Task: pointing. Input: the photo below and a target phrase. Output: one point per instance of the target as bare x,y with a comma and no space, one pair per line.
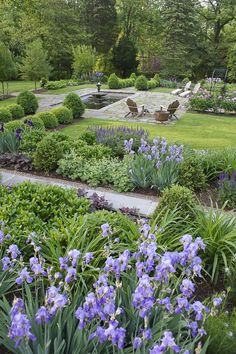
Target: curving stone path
144,204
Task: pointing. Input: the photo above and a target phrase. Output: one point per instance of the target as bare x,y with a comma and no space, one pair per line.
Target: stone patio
118,110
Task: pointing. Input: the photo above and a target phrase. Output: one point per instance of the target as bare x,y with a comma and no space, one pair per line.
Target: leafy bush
43,82
9,142
133,76
177,197
191,174
74,102
227,189
218,230
126,82
37,122
157,79
13,125
16,111
96,172
168,83
55,85
185,81
48,152
222,331
63,114
141,83
113,82
91,151
227,104
151,84
88,136
30,140
49,119
28,101
115,137
202,104
5,115
33,207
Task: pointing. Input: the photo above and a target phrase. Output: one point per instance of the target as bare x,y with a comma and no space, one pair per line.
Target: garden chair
172,108
134,109
194,91
186,88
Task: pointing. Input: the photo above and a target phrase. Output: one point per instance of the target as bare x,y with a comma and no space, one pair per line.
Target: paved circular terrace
117,111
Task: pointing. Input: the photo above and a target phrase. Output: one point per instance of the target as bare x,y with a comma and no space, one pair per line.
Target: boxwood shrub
63,114
49,119
37,121
13,125
74,102
16,111
141,83
5,115
113,81
28,101
48,152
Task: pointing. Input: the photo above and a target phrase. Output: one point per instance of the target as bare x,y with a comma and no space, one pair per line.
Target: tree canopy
174,37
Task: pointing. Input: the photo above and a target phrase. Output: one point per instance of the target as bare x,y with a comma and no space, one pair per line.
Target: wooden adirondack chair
172,108
134,109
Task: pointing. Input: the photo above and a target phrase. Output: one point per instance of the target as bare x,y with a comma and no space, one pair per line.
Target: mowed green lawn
200,131
18,86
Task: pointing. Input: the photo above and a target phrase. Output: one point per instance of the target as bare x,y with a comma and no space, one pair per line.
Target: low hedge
114,82
16,111
49,119
55,85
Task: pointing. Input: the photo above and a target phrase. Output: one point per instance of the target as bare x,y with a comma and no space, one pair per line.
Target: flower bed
96,280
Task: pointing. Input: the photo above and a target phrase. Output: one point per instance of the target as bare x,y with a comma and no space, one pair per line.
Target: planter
161,116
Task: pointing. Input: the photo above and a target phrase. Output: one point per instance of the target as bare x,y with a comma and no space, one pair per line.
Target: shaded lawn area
18,86
200,131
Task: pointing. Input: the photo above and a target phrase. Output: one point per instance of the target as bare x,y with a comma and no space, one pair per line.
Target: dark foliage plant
16,161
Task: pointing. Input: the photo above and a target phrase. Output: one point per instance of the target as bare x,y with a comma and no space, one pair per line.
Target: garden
82,270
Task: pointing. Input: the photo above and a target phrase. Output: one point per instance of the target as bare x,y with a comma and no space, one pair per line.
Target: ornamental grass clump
141,300
156,164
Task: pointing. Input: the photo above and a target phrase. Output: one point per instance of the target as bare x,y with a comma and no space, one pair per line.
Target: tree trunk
35,85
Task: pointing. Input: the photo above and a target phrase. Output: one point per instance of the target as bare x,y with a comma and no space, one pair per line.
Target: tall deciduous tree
7,65
179,37
35,64
84,59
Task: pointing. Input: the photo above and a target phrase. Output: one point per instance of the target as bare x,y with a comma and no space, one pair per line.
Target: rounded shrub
133,76
48,152
49,119
113,81
74,102
191,174
13,125
5,115
177,197
16,111
141,83
63,114
28,101
37,122
151,84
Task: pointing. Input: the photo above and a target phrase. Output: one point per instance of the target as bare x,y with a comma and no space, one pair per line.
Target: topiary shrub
113,82
141,83
63,114
133,76
37,122
191,174
74,102
49,119
177,197
5,115
28,101
157,79
48,152
151,84
16,111
13,125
